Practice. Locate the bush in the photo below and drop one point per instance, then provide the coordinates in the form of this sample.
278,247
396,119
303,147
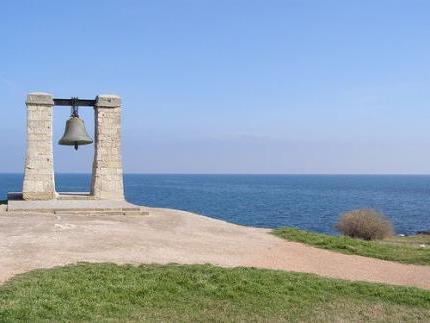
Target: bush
366,224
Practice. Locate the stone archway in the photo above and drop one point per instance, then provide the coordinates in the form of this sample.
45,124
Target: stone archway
107,170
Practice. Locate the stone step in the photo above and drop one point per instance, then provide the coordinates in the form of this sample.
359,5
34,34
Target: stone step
65,196
84,211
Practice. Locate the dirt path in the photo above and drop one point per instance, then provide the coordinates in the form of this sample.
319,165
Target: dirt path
166,236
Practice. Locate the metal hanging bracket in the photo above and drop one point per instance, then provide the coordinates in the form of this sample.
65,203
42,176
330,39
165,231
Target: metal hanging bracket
75,102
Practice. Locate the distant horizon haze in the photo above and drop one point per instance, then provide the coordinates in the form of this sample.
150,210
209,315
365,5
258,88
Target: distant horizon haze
245,174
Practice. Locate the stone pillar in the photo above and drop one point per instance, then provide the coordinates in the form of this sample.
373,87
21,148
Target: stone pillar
39,163
107,180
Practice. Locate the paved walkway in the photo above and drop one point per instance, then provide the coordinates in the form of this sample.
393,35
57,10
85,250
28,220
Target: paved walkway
166,236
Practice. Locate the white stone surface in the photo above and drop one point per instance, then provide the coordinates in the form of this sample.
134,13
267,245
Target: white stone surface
68,204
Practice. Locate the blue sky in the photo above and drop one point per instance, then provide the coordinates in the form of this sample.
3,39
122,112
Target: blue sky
228,86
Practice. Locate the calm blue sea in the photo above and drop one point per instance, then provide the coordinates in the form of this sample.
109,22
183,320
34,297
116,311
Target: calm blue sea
311,202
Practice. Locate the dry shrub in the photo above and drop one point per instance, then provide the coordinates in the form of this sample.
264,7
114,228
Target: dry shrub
366,224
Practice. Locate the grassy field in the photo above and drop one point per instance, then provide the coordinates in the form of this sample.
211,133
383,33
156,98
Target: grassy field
401,249
102,292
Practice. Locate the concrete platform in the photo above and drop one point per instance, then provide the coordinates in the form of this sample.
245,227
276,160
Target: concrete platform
73,203
17,196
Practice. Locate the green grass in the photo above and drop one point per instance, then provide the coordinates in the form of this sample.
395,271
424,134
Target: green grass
107,292
401,249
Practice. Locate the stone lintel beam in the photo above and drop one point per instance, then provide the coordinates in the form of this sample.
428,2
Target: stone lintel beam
108,101
39,98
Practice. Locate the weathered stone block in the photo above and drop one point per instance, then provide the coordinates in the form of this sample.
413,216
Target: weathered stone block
39,169
107,181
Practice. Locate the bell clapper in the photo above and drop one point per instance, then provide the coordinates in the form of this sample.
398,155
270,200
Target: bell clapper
75,114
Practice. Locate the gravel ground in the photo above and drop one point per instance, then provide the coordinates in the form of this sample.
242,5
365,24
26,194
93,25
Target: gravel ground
170,236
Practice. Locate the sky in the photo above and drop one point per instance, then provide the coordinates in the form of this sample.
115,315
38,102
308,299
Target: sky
228,86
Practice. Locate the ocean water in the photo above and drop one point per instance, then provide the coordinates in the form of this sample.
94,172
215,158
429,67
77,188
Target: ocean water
311,202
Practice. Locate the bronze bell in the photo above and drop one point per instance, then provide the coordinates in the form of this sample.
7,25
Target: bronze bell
75,133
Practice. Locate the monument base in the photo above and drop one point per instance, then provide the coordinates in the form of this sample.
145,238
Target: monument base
73,203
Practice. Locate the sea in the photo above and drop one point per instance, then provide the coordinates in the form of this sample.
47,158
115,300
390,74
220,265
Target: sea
310,202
